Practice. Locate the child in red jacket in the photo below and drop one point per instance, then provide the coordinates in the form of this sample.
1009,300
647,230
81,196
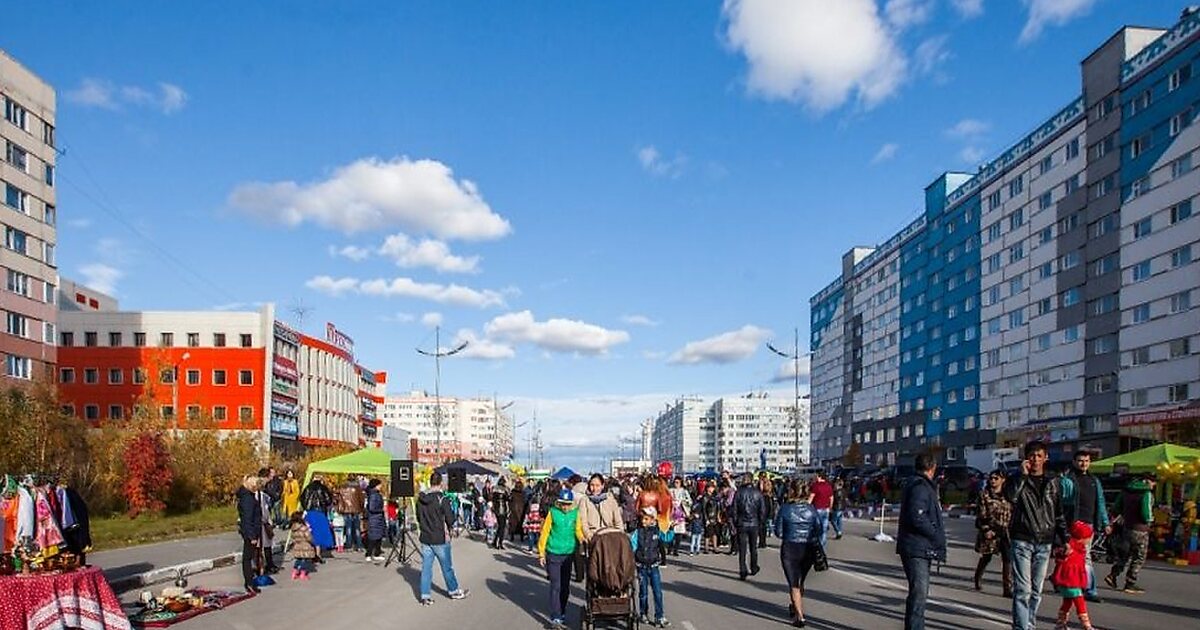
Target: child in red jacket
1071,578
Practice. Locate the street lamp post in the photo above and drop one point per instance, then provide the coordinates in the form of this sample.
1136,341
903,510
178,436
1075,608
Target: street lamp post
795,357
437,355
175,391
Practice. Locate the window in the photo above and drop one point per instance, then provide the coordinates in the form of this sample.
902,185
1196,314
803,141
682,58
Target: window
1045,271
166,376
993,231
48,253
15,240
115,376
1045,305
16,198
168,412
1181,211
1139,146
994,263
193,340
1180,347
116,412
166,339
1142,228
91,376
139,376
15,114
1180,121
1103,305
1181,302
969,333
1181,256
1100,384
1016,219
245,377
1140,356
1181,167
1104,187
1016,186
1141,271
1070,260
1177,393
994,200
1070,297
1046,165
1141,313
993,326
1103,345
1105,265
48,333
1043,341
1139,187
66,375
18,157
49,177
17,325
1070,334
91,412
1016,252
1016,284
245,415
219,413
20,367
218,377
114,339
1016,319
18,283
247,341
193,377
139,339
1073,148
218,340
193,412
1110,223
1178,77
1046,235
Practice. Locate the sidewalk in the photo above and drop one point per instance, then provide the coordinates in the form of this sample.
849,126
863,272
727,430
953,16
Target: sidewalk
133,567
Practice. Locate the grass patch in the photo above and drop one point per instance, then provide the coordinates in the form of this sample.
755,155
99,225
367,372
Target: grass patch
115,532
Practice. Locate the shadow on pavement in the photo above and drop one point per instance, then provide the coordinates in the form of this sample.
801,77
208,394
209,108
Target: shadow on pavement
128,569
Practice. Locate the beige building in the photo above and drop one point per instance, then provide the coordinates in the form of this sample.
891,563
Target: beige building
471,428
27,257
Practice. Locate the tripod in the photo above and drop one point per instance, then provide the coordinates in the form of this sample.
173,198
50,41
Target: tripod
404,546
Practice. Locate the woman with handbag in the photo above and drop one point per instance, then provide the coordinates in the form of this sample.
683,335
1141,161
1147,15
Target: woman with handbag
798,527
992,520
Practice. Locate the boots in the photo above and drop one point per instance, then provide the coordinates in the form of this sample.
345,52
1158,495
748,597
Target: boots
295,574
980,567
1086,620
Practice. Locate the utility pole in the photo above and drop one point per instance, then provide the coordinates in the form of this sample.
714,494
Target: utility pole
437,355
795,357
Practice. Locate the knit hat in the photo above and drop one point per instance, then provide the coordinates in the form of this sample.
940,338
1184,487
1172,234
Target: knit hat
566,496
1081,530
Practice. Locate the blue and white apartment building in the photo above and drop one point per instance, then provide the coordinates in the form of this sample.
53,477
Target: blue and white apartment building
1053,294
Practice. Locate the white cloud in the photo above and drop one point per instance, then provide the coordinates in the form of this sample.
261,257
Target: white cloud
353,252
885,153
426,253
638,320
724,348
905,13
968,129
968,8
816,52
331,286
787,371
1043,13
654,163
92,92
557,335
930,55
483,349
406,287
972,155
431,319
371,194
653,355
101,277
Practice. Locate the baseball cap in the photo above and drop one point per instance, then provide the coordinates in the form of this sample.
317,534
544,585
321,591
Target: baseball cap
566,496
650,511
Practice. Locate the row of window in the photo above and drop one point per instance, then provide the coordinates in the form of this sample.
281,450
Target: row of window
220,413
1175,393
21,118
26,245
166,376
165,340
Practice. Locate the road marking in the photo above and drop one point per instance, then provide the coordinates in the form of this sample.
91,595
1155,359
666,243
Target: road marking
982,614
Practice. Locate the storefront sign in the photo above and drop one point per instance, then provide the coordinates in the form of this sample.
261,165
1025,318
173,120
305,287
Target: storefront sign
286,334
1178,414
286,368
338,338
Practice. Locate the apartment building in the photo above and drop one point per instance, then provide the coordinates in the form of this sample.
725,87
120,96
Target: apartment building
338,397
27,258
470,428
1048,295
732,433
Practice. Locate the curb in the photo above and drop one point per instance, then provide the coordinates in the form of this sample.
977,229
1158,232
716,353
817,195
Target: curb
168,573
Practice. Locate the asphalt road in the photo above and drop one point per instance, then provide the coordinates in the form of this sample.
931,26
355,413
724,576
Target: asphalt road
863,589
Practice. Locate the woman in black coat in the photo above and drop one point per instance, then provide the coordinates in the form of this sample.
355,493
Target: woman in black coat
376,521
250,529
516,512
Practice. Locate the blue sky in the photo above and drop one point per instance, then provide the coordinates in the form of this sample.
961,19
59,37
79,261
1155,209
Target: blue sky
616,203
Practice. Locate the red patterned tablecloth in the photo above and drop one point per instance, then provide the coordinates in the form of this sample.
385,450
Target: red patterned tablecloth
77,599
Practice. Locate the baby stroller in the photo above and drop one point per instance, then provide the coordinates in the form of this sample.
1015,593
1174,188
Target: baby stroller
610,577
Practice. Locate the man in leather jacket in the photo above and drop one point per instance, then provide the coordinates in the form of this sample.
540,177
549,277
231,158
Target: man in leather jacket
749,511
1037,526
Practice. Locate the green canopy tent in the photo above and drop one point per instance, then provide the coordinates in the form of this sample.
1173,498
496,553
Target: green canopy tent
1147,459
373,462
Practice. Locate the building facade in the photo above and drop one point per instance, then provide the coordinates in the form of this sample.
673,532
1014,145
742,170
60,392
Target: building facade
735,434
471,428
30,235
1048,295
338,397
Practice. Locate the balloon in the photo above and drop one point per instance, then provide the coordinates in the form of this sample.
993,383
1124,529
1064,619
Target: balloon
665,469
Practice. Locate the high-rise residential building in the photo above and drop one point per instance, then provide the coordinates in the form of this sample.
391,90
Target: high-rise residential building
471,428
728,434
27,258
1049,295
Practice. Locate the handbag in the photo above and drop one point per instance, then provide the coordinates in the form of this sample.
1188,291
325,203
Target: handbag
820,560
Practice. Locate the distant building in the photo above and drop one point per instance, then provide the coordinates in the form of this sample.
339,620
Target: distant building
471,428
338,397
729,434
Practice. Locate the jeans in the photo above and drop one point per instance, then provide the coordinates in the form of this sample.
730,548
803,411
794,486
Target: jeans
353,530
442,553
650,579
694,542
824,516
916,571
747,540
302,564
468,511
1029,565
558,569
1090,591
835,521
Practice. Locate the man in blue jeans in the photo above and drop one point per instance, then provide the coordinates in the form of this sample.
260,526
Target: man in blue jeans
921,538
435,515
1037,526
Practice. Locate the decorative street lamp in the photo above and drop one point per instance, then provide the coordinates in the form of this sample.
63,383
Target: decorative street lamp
437,355
795,357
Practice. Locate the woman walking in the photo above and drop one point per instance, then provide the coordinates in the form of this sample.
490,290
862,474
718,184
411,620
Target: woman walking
516,512
376,521
499,500
992,521
291,493
799,529
561,532
598,510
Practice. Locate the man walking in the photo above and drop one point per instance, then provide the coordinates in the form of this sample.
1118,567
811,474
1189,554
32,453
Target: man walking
1037,525
1136,510
921,538
435,516
1083,500
749,510
822,500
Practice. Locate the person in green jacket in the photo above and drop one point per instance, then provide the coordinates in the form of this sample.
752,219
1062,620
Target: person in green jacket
1136,513
561,532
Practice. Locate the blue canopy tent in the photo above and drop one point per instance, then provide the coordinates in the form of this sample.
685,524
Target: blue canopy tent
563,474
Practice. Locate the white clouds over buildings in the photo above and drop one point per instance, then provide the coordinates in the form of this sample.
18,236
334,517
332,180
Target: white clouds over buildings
556,335
167,98
407,288
1043,13
724,348
885,153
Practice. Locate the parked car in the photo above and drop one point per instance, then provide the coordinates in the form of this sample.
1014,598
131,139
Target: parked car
959,477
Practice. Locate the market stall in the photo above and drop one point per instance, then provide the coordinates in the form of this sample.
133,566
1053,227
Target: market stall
1175,532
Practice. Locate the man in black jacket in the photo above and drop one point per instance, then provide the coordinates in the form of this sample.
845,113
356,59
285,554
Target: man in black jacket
749,510
921,538
250,529
435,516
1037,526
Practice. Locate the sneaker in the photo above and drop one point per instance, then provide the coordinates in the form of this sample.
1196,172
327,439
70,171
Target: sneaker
295,574
426,601
1111,580
644,620
459,594
1134,589
558,622
662,622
